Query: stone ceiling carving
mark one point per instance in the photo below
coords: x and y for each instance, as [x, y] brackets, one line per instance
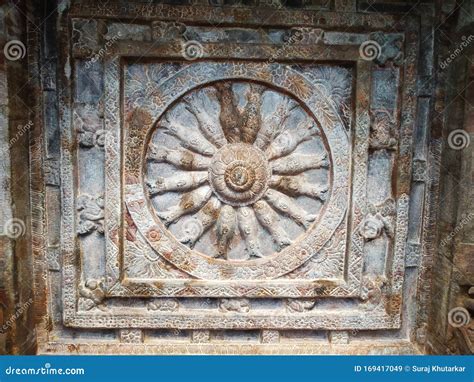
[258, 183]
[242, 159]
[259, 188]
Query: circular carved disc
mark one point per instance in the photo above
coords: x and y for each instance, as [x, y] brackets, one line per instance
[237, 170]
[271, 107]
[239, 174]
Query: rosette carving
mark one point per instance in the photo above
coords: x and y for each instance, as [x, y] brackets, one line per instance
[237, 166]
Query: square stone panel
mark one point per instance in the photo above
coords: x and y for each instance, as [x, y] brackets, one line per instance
[236, 197]
[283, 213]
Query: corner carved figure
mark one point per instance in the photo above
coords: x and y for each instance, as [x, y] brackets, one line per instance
[163, 304]
[235, 159]
[378, 221]
[90, 214]
[299, 305]
[239, 305]
[383, 130]
[372, 291]
[390, 47]
[89, 126]
[92, 291]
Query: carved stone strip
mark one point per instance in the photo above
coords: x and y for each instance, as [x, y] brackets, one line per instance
[229, 14]
[430, 221]
[386, 347]
[45, 123]
[112, 209]
[226, 50]
[69, 287]
[359, 176]
[38, 271]
[272, 288]
[379, 319]
[38, 193]
[407, 118]
[397, 273]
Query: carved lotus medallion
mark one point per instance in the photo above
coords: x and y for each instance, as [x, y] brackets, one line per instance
[237, 169]
[239, 174]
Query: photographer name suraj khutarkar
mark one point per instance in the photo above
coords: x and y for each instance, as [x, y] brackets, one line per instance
[438, 369]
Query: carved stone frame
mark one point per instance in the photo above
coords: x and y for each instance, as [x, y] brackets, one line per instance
[382, 317]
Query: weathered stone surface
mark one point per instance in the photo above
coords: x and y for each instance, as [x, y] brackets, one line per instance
[218, 183]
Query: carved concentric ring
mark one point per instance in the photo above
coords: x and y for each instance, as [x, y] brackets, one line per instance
[243, 164]
[239, 174]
